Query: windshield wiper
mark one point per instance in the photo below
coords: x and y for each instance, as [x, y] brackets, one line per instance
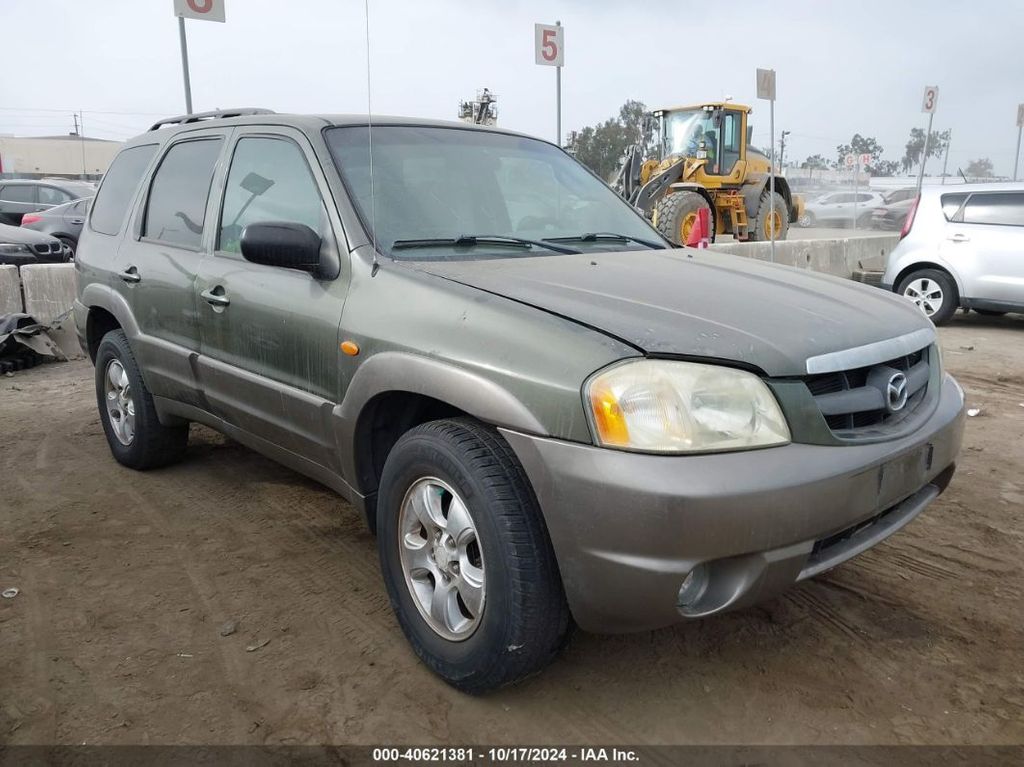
[472, 240]
[607, 236]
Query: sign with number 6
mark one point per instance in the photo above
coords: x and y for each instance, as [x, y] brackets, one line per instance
[204, 10]
[549, 41]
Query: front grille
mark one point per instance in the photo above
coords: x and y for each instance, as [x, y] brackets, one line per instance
[855, 400]
[44, 248]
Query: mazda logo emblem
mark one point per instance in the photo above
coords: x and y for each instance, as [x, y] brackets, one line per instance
[896, 392]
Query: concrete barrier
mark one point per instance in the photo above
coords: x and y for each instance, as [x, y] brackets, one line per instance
[839, 257]
[49, 291]
[10, 290]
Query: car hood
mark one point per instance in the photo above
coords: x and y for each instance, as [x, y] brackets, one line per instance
[16, 235]
[697, 303]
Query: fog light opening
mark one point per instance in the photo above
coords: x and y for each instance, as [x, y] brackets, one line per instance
[694, 585]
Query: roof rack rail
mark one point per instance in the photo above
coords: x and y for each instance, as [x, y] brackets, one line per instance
[215, 115]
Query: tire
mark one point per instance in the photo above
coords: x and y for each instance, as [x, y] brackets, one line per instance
[675, 214]
[933, 291]
[760, 231]
[990, 312]
[148, 444]
[71, 244]
[806, 220]
[523, 618]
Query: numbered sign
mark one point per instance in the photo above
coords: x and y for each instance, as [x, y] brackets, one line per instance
[549, 41]
[204, 10]
[931, 99]
[766, 84]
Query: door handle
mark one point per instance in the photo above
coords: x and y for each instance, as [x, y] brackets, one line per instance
[77, 221]
[959, 238]
[215, 297]
[130, 275]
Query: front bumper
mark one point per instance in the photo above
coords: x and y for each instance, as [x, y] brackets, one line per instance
[627, 528]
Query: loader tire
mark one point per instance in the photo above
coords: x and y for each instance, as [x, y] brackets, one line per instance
[761, 231]
[676, 213]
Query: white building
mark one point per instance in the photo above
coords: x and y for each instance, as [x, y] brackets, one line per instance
[68, 156]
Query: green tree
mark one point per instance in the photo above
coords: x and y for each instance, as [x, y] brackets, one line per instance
[816, 162]
[980, 168]
[600, 147]
[915, 146]
[859, 145]
[886, 168]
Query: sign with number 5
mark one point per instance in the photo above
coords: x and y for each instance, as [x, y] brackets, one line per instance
[549, 41]
[205, 10]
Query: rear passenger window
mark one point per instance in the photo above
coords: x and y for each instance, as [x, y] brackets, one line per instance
[269, 180]
[1006, 208]
[177, 197]
[49, 195]
[951, 204]
[118, 188]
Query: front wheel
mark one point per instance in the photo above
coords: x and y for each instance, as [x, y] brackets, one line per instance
[933, 292]
[806, 220]
[466, 558]
[676, 213]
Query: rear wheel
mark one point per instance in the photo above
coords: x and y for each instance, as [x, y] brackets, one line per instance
[934, 293]
[676, 214]
[466, 557]
[806, 220]
[768, 219]
[136, 437]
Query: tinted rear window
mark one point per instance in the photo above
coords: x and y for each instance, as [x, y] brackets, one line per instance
[119, 185]
[951, 204]
[1006, 208]
[18, 193]
[181, 186]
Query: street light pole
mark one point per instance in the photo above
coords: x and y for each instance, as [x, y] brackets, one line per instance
[558, 99]
[184, 65]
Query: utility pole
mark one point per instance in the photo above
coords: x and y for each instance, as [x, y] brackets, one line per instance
[782, 149]
[184, 65]
[945, 159]
[558, 97]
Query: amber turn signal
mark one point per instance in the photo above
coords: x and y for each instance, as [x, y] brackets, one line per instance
[351, 348]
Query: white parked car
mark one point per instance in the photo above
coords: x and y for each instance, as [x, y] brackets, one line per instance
[841, 209]
[962, 247]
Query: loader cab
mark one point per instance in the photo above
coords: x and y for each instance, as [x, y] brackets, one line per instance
[715, 133]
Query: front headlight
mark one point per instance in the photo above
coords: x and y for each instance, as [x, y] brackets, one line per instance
[14, 250]
[665, 406]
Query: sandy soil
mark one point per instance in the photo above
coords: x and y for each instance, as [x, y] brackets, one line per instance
[127, 580]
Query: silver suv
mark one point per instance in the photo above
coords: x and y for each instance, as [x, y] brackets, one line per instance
[962, 246]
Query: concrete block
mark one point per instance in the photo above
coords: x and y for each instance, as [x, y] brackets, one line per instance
[838, 257]
[10, 290]
[50, 291]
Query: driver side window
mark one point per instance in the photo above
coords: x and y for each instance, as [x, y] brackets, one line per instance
[269, 180]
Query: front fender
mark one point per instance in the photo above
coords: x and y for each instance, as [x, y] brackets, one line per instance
[416, 374]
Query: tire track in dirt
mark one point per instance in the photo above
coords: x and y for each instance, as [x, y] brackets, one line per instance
[820, 609]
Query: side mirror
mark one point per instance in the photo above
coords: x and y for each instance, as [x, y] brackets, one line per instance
[281, 243]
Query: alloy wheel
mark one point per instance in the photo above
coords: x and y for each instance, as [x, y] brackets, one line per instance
[120, 405]
[926, 293]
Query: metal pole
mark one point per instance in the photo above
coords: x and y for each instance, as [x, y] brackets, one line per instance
[924, 153]
[184, 65]
[771, 179]
[1016, 157]
[81, 139]
[856, 189]
[558, 99]
[945, 160]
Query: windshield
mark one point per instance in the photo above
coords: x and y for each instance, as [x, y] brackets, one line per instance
[685, 129]
[447, 183]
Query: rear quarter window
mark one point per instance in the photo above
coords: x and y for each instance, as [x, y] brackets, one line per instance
[118, 188]
[951, 203]
[1001, 208]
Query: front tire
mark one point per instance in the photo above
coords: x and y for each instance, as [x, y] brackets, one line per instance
[136, 437]
[934, 293]
[675, 215]
[806, 220]
[466, 557]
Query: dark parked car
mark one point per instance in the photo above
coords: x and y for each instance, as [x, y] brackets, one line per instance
[63, 221]
[23, 246]
[20, 196]
[891, 215]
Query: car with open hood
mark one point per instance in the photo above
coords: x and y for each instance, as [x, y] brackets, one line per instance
[549, 415]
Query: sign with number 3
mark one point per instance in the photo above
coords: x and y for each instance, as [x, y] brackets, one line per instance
[549, 41]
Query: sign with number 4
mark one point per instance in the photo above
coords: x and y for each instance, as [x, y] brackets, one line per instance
[550, 44]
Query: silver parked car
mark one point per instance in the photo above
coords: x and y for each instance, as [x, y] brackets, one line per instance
[962, 247]
[841, 209]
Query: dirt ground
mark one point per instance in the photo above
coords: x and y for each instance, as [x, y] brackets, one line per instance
[127, 579]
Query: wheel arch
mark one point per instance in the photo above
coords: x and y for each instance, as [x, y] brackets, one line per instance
[393, 392]
[107, 310]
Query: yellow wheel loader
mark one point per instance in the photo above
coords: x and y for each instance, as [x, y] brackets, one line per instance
[700, 156]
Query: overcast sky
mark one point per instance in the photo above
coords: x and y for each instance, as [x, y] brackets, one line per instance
[842, 67]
